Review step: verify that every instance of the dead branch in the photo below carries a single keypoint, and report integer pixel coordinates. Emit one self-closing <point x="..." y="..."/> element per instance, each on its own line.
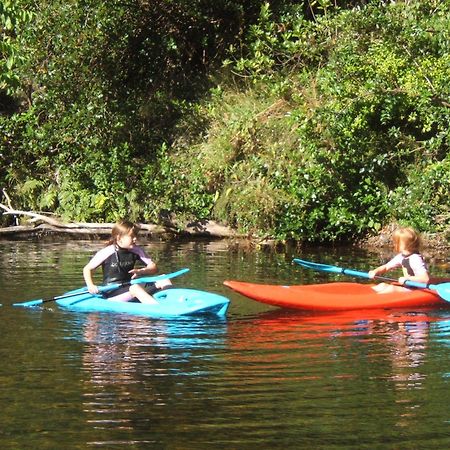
<point x="45" y="224"/>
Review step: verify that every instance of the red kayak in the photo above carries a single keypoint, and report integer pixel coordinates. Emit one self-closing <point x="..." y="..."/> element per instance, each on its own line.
<point x="334" y="296"/>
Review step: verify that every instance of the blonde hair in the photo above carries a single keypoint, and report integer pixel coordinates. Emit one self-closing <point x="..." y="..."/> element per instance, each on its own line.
<point x="122" y="228"/>
<point x="410" y="238"/>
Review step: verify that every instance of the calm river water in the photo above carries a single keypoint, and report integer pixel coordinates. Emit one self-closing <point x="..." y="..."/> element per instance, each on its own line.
<point x="261" y="378"/>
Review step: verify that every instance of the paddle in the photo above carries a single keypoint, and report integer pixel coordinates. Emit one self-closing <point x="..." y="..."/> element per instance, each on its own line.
<point x="442" y="289"/>
<point x="108" y="287"/>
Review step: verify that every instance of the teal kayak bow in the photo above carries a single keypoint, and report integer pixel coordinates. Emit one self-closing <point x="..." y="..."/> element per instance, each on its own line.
<point x="106" y="288"/>
<point x="442" y="289"/>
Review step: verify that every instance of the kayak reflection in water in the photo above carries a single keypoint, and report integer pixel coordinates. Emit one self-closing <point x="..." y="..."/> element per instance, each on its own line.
<point x="118" y="260"/>
<point x="407" y="245"/>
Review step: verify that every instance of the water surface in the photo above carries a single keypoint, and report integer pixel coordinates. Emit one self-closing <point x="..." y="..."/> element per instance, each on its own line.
<point x="262" y="377"/>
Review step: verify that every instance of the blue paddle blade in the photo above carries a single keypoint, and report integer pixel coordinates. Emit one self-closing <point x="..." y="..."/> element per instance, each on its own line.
<point x="336" y="269"/>
<point x="443" y="289"/>
<point x="316" y="266"/>
<point x="42" y="300"/>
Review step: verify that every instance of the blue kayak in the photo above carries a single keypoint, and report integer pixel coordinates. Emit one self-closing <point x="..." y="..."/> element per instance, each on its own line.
<point x="171" y="302"/>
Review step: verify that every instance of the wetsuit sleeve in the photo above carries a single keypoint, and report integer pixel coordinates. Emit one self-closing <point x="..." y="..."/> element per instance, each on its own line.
<point x="417" y="264"/>
<point x="142" y="255"/>
<point x="396" y="261"/>
<point x="100" y="256"/>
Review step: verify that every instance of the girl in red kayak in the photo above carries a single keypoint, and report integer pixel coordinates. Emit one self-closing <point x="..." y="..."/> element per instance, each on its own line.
<point x="118" y="261"/>
<point x="407" y="244"/>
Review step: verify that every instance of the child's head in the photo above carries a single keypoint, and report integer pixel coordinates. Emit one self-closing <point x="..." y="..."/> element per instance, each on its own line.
<point x="407" y="239"/>
<point x="121" y="229"/>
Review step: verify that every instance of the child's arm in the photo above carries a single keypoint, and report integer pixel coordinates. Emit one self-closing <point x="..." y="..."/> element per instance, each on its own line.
<point x="396" y="261"/>
<point x="378" y="271"/>
<point x="422" y="278"/>
<point x="87" y="275"/>
<point x="149" y="269"/>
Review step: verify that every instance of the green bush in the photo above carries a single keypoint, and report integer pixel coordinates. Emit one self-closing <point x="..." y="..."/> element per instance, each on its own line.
<point x="307" y="121"/>
<point x="370" y="118"/>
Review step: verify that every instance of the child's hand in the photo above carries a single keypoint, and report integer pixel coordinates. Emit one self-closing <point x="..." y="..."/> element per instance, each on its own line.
<point x="372" y="273"/>
<point x="136" y="272"/>
<point x="93" y="289"/>
<point x="402" y="280"/>
<point x="163" y="284"/>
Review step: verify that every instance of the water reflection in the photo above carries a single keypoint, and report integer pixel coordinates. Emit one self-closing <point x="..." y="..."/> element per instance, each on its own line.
<point x="383" y="352"/>
<point x="399" y="338"/>
<point x="132" y="364"/>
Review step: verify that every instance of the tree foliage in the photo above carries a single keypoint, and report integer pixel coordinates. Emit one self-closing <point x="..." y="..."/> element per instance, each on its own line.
<point x="309" y="120"/>
<point x="109" y="82"/>
<point x="13" y="19"/>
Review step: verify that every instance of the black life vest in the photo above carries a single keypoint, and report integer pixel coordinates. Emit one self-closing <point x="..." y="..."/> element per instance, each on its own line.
<point x="116" y="267"/>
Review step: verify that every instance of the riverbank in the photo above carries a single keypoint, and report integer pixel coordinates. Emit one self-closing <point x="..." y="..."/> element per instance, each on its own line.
<point x="431" y="241"/>
<point x="55" y="228"/>
<point x="209" y="229"/>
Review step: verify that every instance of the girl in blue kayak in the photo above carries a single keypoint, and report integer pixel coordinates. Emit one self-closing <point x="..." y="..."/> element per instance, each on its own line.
<point x="407" y="244"/>
<point x="118" y="260"/>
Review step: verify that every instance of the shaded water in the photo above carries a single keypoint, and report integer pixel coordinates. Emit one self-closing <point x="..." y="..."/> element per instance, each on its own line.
<point x="261" y="377"/>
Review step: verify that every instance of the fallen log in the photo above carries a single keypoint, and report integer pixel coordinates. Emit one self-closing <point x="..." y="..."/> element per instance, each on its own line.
<point x="42" y="224"/>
